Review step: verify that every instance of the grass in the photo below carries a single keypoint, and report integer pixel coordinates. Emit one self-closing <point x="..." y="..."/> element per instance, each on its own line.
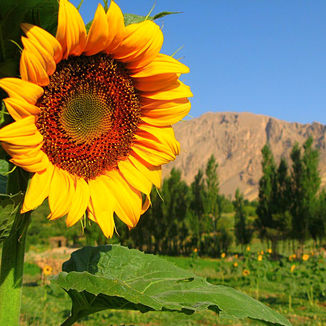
<point x="269" y="281"/>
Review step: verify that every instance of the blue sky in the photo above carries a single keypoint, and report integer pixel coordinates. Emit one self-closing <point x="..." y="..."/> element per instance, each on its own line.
<point x="261" y="56"/>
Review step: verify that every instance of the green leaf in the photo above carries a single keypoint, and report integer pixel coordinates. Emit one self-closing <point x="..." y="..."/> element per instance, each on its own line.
<point x="12" y="13"/>
<point x="9" y="205"/>
<point x="115" y="277"/>
<point x="133" y="19"/>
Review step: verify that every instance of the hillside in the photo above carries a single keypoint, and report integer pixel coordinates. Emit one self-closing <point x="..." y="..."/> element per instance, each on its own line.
<point x="236" y="140"/>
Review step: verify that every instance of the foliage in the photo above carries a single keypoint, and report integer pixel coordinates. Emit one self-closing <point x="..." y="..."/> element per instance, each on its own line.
<point x="243" y="234"/>
<point x="304" y="187"/>
<point x="96" y="278"/>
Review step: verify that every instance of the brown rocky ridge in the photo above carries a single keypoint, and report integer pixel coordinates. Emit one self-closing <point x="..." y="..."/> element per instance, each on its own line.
<point x="236" y="140"/>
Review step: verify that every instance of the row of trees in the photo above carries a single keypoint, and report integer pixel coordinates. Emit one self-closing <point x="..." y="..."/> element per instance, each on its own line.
<point x="290" y="204"/>
<point x="184" y="217"/>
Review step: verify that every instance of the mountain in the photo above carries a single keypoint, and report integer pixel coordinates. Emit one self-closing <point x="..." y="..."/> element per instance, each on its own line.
<point x="236" y="140"/>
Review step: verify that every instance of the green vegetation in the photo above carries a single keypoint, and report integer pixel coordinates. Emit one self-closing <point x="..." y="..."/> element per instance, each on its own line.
<point x="297" y="292"/>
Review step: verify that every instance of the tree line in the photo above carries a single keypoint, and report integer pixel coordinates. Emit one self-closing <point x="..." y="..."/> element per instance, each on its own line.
<point x="183" y="218"/>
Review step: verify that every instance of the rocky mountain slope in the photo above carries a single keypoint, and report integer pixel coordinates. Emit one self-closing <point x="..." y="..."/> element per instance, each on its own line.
<point x="236" y="140"/>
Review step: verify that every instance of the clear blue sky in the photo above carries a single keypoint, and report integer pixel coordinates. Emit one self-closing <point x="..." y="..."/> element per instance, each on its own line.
<point x="262" y="56"/>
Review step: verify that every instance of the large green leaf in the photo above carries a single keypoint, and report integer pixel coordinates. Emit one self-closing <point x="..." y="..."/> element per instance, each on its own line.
<point x="9" y="205"/>
<point x="115" y="277"/>
<point x="14" y="12"/>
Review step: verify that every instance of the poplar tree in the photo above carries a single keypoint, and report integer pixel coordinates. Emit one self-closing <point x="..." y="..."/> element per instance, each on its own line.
<point x="305" y="185"/>
<point x="242" y="232"/>
<point x="212" y="200"/>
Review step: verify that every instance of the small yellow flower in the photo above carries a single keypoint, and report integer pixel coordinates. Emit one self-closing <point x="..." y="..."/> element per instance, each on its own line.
<point x="260" y="258"/>
<point x="292" y="257"/>
<point x="235" y="264"/>
<point x="269" y="250"/>
<point x="305" y="257"/>
<point x="248" y="248"/>
<point x="195" y="250"/>
<point x="236" y="256"/>
<point x="47" y="270"/>
<point x="292" y="268"/>
<point x="223" y="255"/>
<point x="245" y="272"/>
<point x="262" y="252"/>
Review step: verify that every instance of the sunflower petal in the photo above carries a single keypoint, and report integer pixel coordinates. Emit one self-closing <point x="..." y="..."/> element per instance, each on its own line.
<point x="22" y="89"/>
<point x="43" y="56"/>
<point x="165" y="113"/>
<point x="42" y="39"/>
<point x="162" y="64"/>
<point x="30" y="163"/>
<point x="161" y="82"/>
<point x="128" y="200"/>
<point x="71" y="32"/>
<point x="31" y="69"/>
<point x="163" y="135"/>
<point x="38" y="189"/>
<point x="20" y="109"/>
<point x="79" y="202"/>
<point x="103" y="205"/>
<point x="134" y="177"/>
<point x="97" y="37"/>
<point x="116" y="27"/>
<point x="61" y="193"/>
<point x="180" y="90"/>
<point x="23" y="127"/>
<point x="151" y="155"/>
<point x="22" y="133"/>
<point x="152" y="173"/>
<point x="141" y="44"/>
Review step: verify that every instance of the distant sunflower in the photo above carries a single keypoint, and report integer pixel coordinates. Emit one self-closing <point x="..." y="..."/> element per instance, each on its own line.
<point x="93" y="115"/>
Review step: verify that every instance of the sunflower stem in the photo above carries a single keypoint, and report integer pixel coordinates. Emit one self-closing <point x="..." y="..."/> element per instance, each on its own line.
<point x="12" y="260"/>
<point x="11" y="274"/>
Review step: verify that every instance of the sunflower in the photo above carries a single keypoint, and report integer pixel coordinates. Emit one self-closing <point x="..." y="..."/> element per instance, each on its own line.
<point x="93" y="114"/>
<point x="47" y="270"/>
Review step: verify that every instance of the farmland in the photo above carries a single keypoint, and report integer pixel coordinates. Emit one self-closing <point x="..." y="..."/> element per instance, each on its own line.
<point x="293" y="286"/>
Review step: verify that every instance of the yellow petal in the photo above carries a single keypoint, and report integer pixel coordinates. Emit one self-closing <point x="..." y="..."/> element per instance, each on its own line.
<point x="103" y="204"/>
<point x="162" y="64"/>
<point x="161" y="82"/>
<point x="97" y="38"/>
<point x="146" y="204"/>
<point x="116" y="27"/>
<point x="152" y="173"/>
<point x="20" y="128"/>
<point x="163" y="135"/>
<point x="79" y="203"/>
<point x="165" y="113"/>
<point x="19" y="108"/>
<point x="141" y="44"/>
<point x="21" y="89"/>
<point x="128" y="200"/>
<point x="151" y="155"/>
<point x="61" y="193"/>
<point x="180" y="90"/>
<point x="14" y="150"/>
<point x="71" y="32"/>
<point x="42" y="55"/>
<point x="31" y="69"/>
<point x="134" y="177"/>
<point x="22" y="133"/>
<point x="32" y="164"/>
<point x="42" y="38"/>
<point x="38" y="189"/>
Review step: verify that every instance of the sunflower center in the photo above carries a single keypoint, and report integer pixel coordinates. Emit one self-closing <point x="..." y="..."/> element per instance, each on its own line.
<point x="88" y="115"/>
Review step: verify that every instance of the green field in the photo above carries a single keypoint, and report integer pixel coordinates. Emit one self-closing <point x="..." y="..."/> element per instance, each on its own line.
<point x="298" y="292"/>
